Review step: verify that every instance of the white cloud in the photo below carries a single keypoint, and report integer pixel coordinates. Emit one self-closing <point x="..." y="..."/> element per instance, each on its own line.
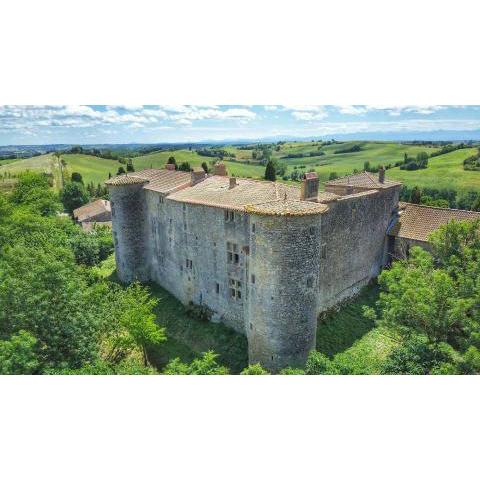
<point x="270" y="108"/>
<point x="307" y="112"/>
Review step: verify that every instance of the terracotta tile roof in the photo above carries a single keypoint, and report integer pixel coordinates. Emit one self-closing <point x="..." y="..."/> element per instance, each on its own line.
<point x="163" y="180"/>
<point x="417" y="222"/>
<point x="287" y="208"/>
<point x="214" y="191"/>
<point x="363" y="180"/>
<point x="91" y="210"/>
<point x="124" y="180"/>
<point x="325" y="197"/>
<point x="159" y="180"/>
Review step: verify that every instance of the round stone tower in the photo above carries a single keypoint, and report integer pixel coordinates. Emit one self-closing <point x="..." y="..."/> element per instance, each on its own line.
<point x="283" y="283"/>
<point x="128" y="225"/>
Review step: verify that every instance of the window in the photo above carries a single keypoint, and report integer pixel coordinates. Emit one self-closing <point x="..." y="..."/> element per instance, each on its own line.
<point x="217" y="287"/>
<point x="235" y="289"/>
<point x="253" y="278"/>
<point x="310" y="282"/>
<point x="232" y="253"/>
<point x="229" y="216"/>
<point x="312" y="230"/>
<point x="160" y="199"/>
<point x="253" y="228"/>
<point x="184" y="207"/>
<point x="323" y="251"/>
<point x="189" y="263"/>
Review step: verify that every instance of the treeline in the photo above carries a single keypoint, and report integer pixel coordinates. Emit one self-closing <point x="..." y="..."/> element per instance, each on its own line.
<point x="473" y="162"/>
<point x="445" y="198"/>
<point x="449" y="148"/>
<point x="215" y="152"/>
<point x="319" y="153"/>
<point x="349" y="149"/>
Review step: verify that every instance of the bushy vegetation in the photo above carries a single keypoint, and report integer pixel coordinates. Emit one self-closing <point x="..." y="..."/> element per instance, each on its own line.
<point x="473" y="162"/>
<point x="417" y="163"/>
<point x="348" y="149"/>
<point x="446" y="198"/>
<point x="56" y="314"/>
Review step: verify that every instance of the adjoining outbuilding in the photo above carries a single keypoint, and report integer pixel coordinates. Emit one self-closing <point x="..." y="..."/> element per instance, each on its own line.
<point x="98" y="212"/>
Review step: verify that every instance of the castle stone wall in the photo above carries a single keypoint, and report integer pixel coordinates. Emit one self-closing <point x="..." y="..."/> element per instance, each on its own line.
<point x="188" y="255"/>
<point x="353" y="243"/>
<point x="281" y="315"/>
<point x="128" y="223"/>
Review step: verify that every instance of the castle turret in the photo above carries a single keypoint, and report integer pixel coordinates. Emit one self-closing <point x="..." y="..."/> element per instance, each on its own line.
<point x="128" y="225"/>
<point x="281" y="316"/>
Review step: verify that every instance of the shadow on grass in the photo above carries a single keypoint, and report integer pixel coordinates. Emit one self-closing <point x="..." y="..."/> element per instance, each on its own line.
<point x="188" y="337"/>
<point x="340" y="328"/>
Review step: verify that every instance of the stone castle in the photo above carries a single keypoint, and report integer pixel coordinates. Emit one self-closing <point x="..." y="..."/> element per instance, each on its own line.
<point x="266" y="258"/>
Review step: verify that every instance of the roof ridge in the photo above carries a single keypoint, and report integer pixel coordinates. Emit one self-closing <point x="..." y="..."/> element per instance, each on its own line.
<point x="441" y="208"/>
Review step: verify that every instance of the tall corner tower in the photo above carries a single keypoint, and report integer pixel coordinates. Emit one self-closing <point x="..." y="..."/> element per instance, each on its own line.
<point x="128" y="225"/>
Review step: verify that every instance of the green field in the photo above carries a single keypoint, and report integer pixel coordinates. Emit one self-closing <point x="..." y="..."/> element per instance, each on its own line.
<point x="444" y="171"/>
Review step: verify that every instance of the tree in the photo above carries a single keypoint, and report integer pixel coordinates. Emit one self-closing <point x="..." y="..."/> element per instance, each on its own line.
<point x="18" y="356"/>
<point x="76" y="177"/>
<point x="205" y="167"/>
<point x="172" y="161"/>
<point x="206" y="365"/>
<point x="333" y="176"/>
<point x="366" y="166"/>
<point x="130" y="167"/>
<point x="417" y="356"/>
<point x="185" y="167"/>
<point x="120" y="171"/>
<point x="416" y="195"/>
<point x="132" y="324"/>
<point x="61" y="163"/>
<point x="270" y="171"/>
<point x="319" y="364"/>
<point x="43" y="292"/>
<point x="255" y="369"/>
<point x="74" y="195"/>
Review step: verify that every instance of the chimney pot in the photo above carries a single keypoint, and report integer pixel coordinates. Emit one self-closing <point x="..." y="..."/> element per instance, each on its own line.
<point x="309" y="188"/>
<point x="198" y="176"/>
<point x="220" y="169"/>
<point x="381" y="174"/>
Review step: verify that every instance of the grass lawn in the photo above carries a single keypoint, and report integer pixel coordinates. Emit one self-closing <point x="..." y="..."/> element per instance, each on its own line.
<point x="351" y="339"/>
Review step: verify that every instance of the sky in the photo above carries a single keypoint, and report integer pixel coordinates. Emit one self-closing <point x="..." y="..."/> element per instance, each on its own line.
<point x="88" y="124"/>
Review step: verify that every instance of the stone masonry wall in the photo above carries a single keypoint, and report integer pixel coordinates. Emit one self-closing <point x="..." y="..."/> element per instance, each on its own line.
<point x="128" y="220"/>
<point x="187" y="254"/>
<point x="353" y="243"/>
<point x="282" y="305"/>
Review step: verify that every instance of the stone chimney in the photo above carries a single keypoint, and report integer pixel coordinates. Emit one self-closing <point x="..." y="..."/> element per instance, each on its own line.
<point x="220" y="169"/>
<point x="198" y="175"/>
<point x="309" y="188"/>
<point x="381" y="174"/>
<point x="233" y="182"/>
<point x="169" y="166"/>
